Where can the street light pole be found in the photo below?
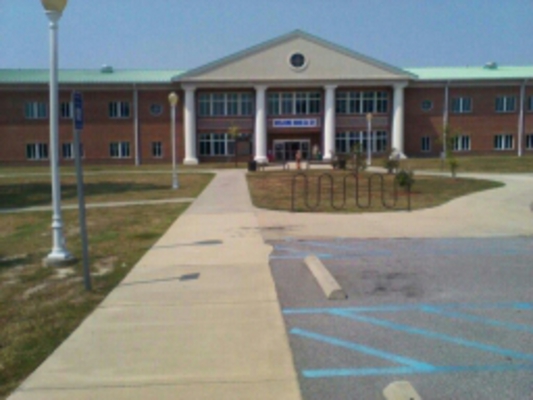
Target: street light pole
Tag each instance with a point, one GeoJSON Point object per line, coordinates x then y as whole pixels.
{"type": "Point", "coordinates": [59, 254]}
{"type": "Point", "coordinates": [173, 100]}
{"type": "Point", "coordinates": [369, 139]}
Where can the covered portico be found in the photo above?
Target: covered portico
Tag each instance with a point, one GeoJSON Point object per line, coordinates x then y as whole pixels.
{"type": "Point", "coordinates": [254, 89]}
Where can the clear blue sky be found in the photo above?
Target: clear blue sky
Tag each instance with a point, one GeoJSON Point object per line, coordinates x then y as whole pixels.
{"type": "Point", "coordinates": [183, 34]}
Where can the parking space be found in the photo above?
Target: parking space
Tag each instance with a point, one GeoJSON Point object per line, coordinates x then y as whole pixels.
{"type": "Point", "coordinates": [453, 316]}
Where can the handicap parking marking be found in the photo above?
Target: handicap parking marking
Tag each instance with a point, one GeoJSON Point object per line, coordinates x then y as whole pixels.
{"type": "Point", "coordinates": [410, 365]}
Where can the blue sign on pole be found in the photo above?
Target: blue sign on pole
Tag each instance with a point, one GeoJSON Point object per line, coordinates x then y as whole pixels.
{"type": "Point", "coordinates": [77, 101]}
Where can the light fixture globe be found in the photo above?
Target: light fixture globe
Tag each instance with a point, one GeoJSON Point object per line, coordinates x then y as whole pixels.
{"type": "Point", "coordinates": [173, 99]}
{"type": "Point", "coordinates": [54, 5]}
{"type": "Point", "coordinates": [369, 117]}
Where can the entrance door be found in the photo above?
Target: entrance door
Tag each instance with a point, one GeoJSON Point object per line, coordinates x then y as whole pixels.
{"type": "Point", "coordinates": [285, 150]}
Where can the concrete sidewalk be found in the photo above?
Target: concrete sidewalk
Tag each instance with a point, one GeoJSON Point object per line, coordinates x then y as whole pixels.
{"type": "Point", "coordinates": [197, 318]}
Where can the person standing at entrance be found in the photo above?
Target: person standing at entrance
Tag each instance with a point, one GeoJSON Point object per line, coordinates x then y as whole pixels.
{"type": "Point", "coordinates": [298, 158]}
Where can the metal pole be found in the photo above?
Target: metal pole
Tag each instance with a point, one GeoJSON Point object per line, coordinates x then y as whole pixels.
{"type": "Point", "coordinates": [81, 212]}
{"type": "Point", "coordinates": [175, 184]}
{"type": "Point", "coordinates": [369, 140]}
{"type": "Point", "coordinates": [59, 254]}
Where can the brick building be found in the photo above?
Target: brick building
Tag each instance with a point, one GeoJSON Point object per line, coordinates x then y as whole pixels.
{"type": "Point", "coordinates": [295, 92]}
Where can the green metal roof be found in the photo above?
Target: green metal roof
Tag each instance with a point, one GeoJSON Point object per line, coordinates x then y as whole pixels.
{"type": "Point", "coordinates": [472, 73]}
{"type": "Point", "coordinates": [96, 76]}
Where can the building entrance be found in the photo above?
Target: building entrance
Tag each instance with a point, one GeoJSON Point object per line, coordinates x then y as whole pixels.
{"type": "Point", "coordinates": [285, 150]}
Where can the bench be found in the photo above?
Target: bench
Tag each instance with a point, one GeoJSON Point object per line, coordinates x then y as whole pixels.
{"type": "Point", "coordinates": [282, 164]}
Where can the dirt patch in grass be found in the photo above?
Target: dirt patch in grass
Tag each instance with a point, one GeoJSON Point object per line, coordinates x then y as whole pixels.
{"type": "Point", "coordinates": [273, 190]}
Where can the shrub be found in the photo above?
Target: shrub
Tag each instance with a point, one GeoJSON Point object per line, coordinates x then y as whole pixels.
{"type": "Point", "coordinates": [405, 178]}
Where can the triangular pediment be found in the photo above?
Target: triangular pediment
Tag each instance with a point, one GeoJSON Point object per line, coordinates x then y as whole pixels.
{"type": "Point", "coordinates": [271, 61]}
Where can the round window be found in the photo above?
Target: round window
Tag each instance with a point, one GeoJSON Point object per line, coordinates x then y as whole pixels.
{"type": "Point", "coordinates": [297, 60]}
{"type": "Point", "coordinates": [156, 109]}
{"type": "Point", "coordinates": [426, 105]}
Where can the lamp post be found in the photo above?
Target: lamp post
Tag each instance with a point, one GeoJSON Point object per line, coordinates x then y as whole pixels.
{"type": "Point", "coordinates": [59, 254]}
{"type": "Point", "coordinates": [173, 100]}
{"type": "Point", "coordinates": [369, 139]}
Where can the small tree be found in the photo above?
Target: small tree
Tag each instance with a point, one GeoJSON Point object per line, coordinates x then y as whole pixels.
{"type": "Point", "coordinates": [392, 161]}
{"type": "Point", "coordinates": [234, 133]}
{"type": "Point", "coordinates": [357, 158]}
{"type": "Point", "coordinates": [448, 139]}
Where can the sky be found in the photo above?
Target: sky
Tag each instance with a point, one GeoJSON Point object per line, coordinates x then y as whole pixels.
{"type": "Point", "coordinates": [184, 34]}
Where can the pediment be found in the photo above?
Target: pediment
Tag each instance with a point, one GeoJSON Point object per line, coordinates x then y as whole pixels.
{"type": "Point", "coordinates": [271, 61]}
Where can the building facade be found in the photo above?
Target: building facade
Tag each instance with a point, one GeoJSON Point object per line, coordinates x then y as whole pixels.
{"type": "Point", "coordinates": [295, 92]}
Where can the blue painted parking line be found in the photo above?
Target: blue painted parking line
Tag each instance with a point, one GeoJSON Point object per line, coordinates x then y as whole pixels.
{"type": "Point", "coordinates": [360, 372]}
{"type": "Point", "coordinates": [476, 319]}
{"type": "Point", "coordinates": [361, 348]}
{"type": "Point", "coordinates": [410, 307]}
{"type": "Point", "coordinates": [409, 365]}
{"type": "Point", "coordinates": [435, 335]}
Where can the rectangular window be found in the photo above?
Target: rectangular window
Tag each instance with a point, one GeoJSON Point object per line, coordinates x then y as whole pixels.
{"type": "Point", "coordinates": [461, 143]}
{"type": "Point", "coordinates": [219, 100]}
{"type": "Point", "coordinates": [216, 144]}
{"type": "Point", "coordinates": [345, 142]}
{"type": "Point", "coordinates": [529, 141]}
{"type": "Point", "coordinates": [503, 142]}
{"type": "Point", "coordinates": [301, 103]}
{"type": "Point", "coordinates": [119, 109]}
{"type": "Point", "coordinates": [68, 150]}
{"type": "Point", "coordinates": [35, 110]}
{"type": "Point", "coordinates": [157, 149]}
{"type": "Point", "coordinates": [530, 103]}
{"type": "Point", "coordinates": [287, 103]}
{"type": "Point", "coordinates": [246, 104]}
{"type": "Point", "coordinates": [340, 102]}
{"type": "Point", "coordinates": [204, 102]}
{"type": "Point", "coordinates": [314, 102]}
{"type": "Point", "coordinates": [119, 149]}
{"type": "Point", "coordinates": [368, 102]}
{"type": "Point", "coordinates": [505, 103]}
{"type": "Point", "coordinates": [232, 104]}
{"type": "Point", "coordinates": [380, 141]}
{"type": "Point", "coordinates": [461, 105]}
{"type": "Point", "coordinates": [273, 104]}
{"type": "Point", "coordinates": [382, 104]}
{"type": "Point", "coordinates": [354, 102]}
{"type": "Point", "coordinates": [37, 151]}
{"type": "Point", "coordinates": [66, 110]}
{"type": "Point", "coordinates": [426, 144]}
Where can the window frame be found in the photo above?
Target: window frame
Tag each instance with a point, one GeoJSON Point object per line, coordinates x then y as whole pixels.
{"type": "Point", "coordinates": [461, 105]}
{"type": "Point", "coordinates": [157, 149]}
{"type": "Point", "coordinates": [119, 110]}
{"type": "Point", "coordinates": [425, 144]}
{"type": "Point", "coordinates": [37, 151]}
{"type": "Point", "coordinates": [459, 143]}
{"type": "Point", "coordinates": [122, 149]}
{"type": "Point", "coordinates": [35, 110]}
{"type": "Point", "coordinates": [504, 101]}
{"type": "Point", "coordinates": [216, 144]}
{"type": "Point", "coordinates": [504, 142]}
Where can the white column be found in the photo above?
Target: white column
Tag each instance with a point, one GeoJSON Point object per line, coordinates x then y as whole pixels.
{"type": "Point", "coordinates": [397, 119]}
{"type": "Point", "coordinates": [329, 122]}
{"type": "Point", "coordinates": [190, 126]}
{"type": "Point", "coordinates": [260, 125]}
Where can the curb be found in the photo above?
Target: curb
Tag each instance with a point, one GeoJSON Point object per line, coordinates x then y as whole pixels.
{"type": "Point", "coordinates": [326, 281]}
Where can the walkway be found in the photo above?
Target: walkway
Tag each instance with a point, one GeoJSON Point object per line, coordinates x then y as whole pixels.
{"type": "Point", "coordinates": [197, 318]}
{"type": "Point", "coordinates": [506, 211]}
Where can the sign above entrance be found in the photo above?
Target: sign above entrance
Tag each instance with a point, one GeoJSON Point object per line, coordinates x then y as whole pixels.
{"type": "Point", "coordinates": [295, 123]}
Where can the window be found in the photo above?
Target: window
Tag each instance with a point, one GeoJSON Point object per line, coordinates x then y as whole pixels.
{"type": "Point", "coordinates": [119, 149]}
{"type": "Point", "coordinates": [37, 151]}
{"type": "Point", "coordinates": [216, 144]}
{"type": "Point", "coordinates": [35, 110]}
{"type": "Point", "coordinates": [461, 143]}
{"type": "Point", "coordinates": [362, 102]}
{"type": "Point", "coordinates": [294, 103]}
{"type": "Point", "coordinates": [66, 110]}
{"type": "Point", "coordinates": [461, 105]}
{"type": "Point", "coordinates": [297, 60]}
{"type": "Point", "coordinates": [530, 103]}
{"type": "Point", "coordinates": [119, 109]}
{"type": "Point", "coordinates": [224, 104]}
{"type": "Point", "coordinates": [503, 142]}
{"type": "Point", "coordinates": [426, 144]}
{"type": "Point", "coordinates": [157, 149]}
{"type": "Point", "coordinates": [345, 141]}
{"type": "Point", "coordinates": [505, 103]}
{"type": "Point", "coordinates": [156, 109]}
{"type": "Point", "coordinates": [68, 150]}
{"type": "Point", "coordinates": [529, 141]}
{"type": "Point", "coordinates": [426, 105]}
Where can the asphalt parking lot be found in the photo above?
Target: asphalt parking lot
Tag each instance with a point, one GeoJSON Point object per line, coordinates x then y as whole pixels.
{"type": "Point", "coordinates": [452, 316]}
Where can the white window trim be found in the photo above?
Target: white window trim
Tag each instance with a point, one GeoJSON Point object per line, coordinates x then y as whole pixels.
{"type": "Point", "coordinates": [506, 99]}
{"type": "Point", "coordinates": [121, 150]}
{"type": "Point", "coordinates": [38, 151]}
{"type": "Point", "coordinates": [529, 141]}
{"type": "Point", "coordinates": [160, 150]}
{"type": "Point", "coordinates": [460, 140]}
{"type": "Point", "coordinates": [34, 114]}
{"type": "Point", "coordinates": [503, 142]}
{"type": "Point", "coordinates": [119, 109]}
{"type": "Point", "coordinates": [428, 150]}
{"type": "Point", "coordinates": [211, 140]}
{"type": "Point", "coordinates": [353, 95]}
{"type": "Point", "coordinates": [208, 98]}
{"type": "Point", "coordinates": [461, 108]}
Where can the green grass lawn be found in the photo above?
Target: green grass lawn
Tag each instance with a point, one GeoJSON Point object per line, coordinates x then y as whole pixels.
{"type": "Point", "coordinates": [39, 308]}
{"type": "Point", "coordinates": [489, 164]}
{"type": "Point", "coordinates": [273, 190]}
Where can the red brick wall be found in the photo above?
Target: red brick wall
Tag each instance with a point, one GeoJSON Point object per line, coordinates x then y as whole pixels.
{"type": "Point", "coordinates": [482, 124]}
